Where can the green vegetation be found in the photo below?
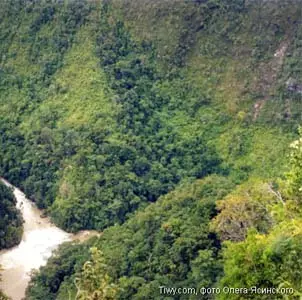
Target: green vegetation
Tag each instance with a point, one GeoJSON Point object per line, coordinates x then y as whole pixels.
{"type": "Point", "coordinates": [63, 265]}
{"type": "Point", "coordinates": [94, 144]}
{"type": "Point", "coordinates": [2, 295]}
{"type": "Point", "coordinates": [164, 124]}
{"type": "Point", "coordinates": [11, 222]}
{"type": "Point", "coordinates": [10, 219]}
{"type": "Point", "coordinates": [93, 282]}
{"type": "Point", "coordinates": [159, 246]}
{"type": "Point", "coordinates": [266, 261]}
{"type": "Point", "coordinates": [268, 256]}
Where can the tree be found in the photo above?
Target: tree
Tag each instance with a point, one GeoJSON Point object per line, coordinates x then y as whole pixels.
{"type": "Point", "coordinates": [247, 207]}
{"type": "Point", "coordinates": [94, 283]}
{"type": "Point", "coordinates": [294, 176]}
{"type": "Point", "coordinates": [10, 219]}
{"type": "Point", "coordinates": [266, 261]}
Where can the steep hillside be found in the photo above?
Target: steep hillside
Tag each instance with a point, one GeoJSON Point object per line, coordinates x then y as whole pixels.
{"type": "Point", "coordinates": [103, 110]}
{"type": "Point", "coordinates": [134, 117]}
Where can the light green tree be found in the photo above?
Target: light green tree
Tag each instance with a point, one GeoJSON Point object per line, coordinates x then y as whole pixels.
{"type": "Point", "coordinates": [294, 176]}
{"type": "Point", "coordinates": [94, 283]}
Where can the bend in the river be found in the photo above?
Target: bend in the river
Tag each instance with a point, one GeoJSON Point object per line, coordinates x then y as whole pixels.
{"type": "Point", "coordinates": [39, 239]}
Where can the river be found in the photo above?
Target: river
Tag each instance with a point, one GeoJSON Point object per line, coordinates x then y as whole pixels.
{"type": "Point", "coordinates": [39, 239]}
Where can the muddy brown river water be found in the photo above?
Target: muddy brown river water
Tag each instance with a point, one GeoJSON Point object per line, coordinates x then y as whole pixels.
{"type": "Point", "coordinates": [39, 239]}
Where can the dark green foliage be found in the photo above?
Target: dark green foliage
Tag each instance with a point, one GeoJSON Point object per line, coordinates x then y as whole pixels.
{"type": "Point", "coordinates": [31, 161]}
{"type": "Point", "coordinates": [142, 152]}
{"type": "Point", "coordinates": [111, 111]}
{"type": "Point", "coordinates": [3, 296]}
{"type": "Point", "coordinates": [169, 243]}
{"type": "Point", "coordinates": [63, 265]}
{"type": "Point", "coordinates": [128, 166]}
{"type": "Point", "coordinates": [265, 261]}
{"type": "Point", "coordinates": [164, 244]}
{"type": "Point", "coordinates": [10, 219]}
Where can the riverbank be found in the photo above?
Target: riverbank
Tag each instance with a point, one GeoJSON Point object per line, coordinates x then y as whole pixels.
{"type": "Point", "coordinates": [40, 238]}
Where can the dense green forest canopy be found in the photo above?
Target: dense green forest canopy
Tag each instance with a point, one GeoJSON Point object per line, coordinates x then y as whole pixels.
{"type": "Point", "coordinates": [10, 219]}
{"type": "Point", "coordinates": [146, 109]}
{"type": "Point", "coordinates": [166, 244]}
{"type": "Point", "coordinates": [166, 124]}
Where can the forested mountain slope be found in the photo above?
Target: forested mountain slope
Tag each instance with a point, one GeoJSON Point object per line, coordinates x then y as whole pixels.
{"type": "Point", "coordinates": [105, 107]}
{"type": "Point", "coordinates": [135, 117]}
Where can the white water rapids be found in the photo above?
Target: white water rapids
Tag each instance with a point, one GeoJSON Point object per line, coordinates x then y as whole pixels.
{"type": "Point", "coordinates": [39, 239]}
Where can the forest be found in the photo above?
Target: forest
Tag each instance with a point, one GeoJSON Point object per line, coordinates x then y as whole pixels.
{"type": "Point", "coordinates": [10, 219]}
{"type": "Point", "coordinates": [172, 127]}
